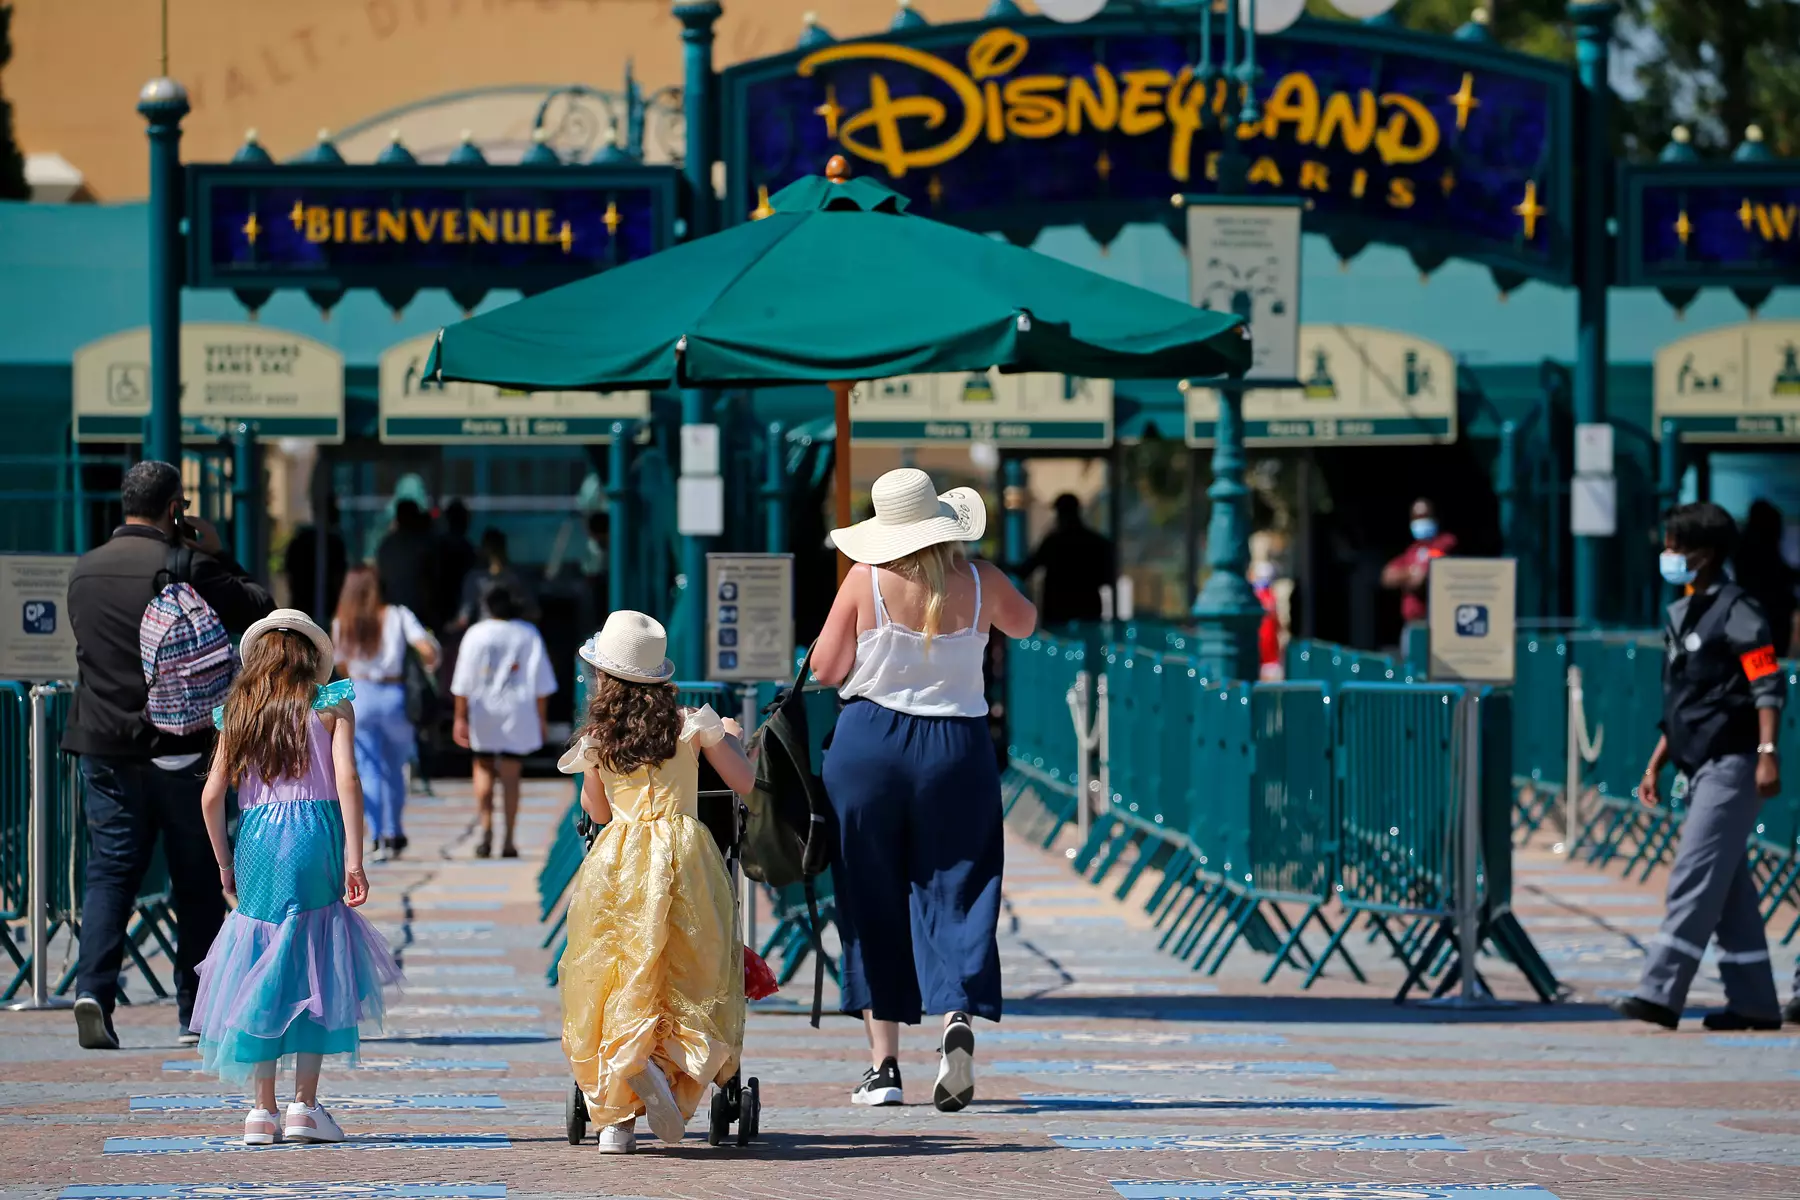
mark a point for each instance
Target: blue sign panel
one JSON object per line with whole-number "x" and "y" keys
{"x": 422, "y": 226}
{"x": 1445, "y": 147}
{"x": 1729, "y": 225}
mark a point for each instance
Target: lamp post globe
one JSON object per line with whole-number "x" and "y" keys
{"x": 1070, "y": 12}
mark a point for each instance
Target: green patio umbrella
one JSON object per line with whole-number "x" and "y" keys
{"x": 837, "y": 282}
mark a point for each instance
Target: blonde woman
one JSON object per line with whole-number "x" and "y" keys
{"x": 912, "y": 775}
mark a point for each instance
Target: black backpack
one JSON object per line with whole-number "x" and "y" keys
{"x": 790, "y": 831}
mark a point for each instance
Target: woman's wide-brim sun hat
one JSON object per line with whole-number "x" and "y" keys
{"x": 631, "y": 646}
{"x": 909, "y": 516}
{"x": 292, "y": 620}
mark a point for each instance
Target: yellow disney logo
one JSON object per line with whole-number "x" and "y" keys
{"x": 989, "y": 105}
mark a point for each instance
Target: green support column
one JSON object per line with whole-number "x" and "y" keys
{"x": 1506, "y": 486}
{"x": 1593, "y": 247}
{"x": 618, "y": 514}
{"x": 247, "y": 501}
{"x": 774, "y": 489}
{"x": 700, "y": 108}
{"x": 1668, "y": 491}
{"x": 1226, "y": 612}
{"x": 163, "y": 103}
{"x": 1013, "y": 531}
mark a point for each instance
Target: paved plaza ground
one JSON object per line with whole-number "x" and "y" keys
{"x": 1118, "y": 1072}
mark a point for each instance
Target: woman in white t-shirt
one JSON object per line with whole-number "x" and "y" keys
{"x": 502, "y": 686}
{"x": 371, "y": 639}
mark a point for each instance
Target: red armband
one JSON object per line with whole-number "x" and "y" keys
{"x": 1759, "y": 662}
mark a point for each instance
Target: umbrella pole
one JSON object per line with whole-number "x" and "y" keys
{"x": 840, "y": 391}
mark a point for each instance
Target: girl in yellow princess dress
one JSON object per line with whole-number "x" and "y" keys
{"x": 653, "y": 977}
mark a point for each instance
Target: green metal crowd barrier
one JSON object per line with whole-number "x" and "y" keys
{"x": 15, "y": 815}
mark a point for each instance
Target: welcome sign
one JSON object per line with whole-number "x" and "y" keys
{"x": 1734, "y": 224}
{"x": 1386, "y": 135}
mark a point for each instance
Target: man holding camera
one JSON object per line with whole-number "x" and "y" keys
{"x": 141, "y": 781}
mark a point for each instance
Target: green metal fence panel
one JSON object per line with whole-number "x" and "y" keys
{"x": 15, "y": 805}
{"x": 1223, "y": 757}
{"x": 1293, "y": 830}
{"x": 1621, "y": 680}
{"x": 1040, "y": 731}
{"x": 1329, "y": 663}
{"x": 1541, "y": 710}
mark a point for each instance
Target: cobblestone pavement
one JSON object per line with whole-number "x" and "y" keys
{"x": 1119, "y": 1072}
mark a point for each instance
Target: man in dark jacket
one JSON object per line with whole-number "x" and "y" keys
{"x": 1077, "y": 562}
{"x": 140, "y": 781}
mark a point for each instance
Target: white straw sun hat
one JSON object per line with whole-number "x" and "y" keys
{"x": 292, "y": 620}
{"x": 631, "y": 646}
{"x": 909, "y": 516}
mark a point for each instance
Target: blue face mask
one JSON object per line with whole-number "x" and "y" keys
{"x": 1675, "y": 568}
{"x": 1423, "y": 529}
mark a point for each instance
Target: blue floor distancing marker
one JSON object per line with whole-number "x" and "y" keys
{"x": 232, "y": 1144}
{"x": 287, "y": 1191}
{"x": 453, "y": 951}
{"x": 466, "y": 1010}
{"x": 419, "y": 1102}
{"x": 471, "y": 989}
{"x": 1135, "y": 1038}
{"x": 1280, "y": 1143}
{"x": 383, "y": 1064}
{"x": 1757, "y": 1042}
{"x": 1059, "y": 1067}
{"x": 1207, "y": 1189}
{"x": 462, "y": 970}
{"x": 1056, "y": 1101}
{"x": 452, "y": 1037}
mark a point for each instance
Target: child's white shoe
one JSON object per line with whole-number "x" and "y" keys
{"x": 311, "y": 1124}
{"x": 261, "y": 1128}
{"x": 665, "y": 1118}
{"x": 620, "y": 1138}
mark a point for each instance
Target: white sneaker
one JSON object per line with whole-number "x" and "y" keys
{"x": 660, "y": 1109}
{"x": 620, "y": 1138}
{"x": 261, "y": 1128}
{"x": 955, "y": 1085}
{"x": 311, "y": 1124}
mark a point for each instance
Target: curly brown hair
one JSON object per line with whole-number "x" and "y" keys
{"x": 268, "y": 712}
{"x": 635, "y": 724}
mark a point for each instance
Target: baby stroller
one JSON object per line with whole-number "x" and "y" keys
{"x": 736, "y": 1102}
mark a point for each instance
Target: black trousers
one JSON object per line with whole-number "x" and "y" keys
{"x": 129, "y": 803}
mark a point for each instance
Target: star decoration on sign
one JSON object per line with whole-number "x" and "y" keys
{"x": 935, "y": 189}
{"x": 1103, "y": 166}
{"x": 298, "y": 214}
{"x": 1529, "y": 210}
{"x": 1746, "y": 213}
{"x": 1464, "y": 101}
{"x": 831, "y": 110}
{"x": 1447, "y": 182}
{"x": 612, "y": 219}
{"x": 251, "y": 229}
{"x": 1683, "y": 227}
{"x": 566, "y": 236}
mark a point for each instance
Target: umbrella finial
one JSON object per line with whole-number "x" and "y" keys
{"x": 836, "y": 169}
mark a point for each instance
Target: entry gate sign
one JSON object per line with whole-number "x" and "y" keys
{"x": 1740, "y": 383}
{"x": 421, "y": 226}
{"x": 288, "y": 385}
{"x": 417, "y": 409}
{"x": 749, "y": 617}
{"x": 1722, "y": 225}
{"x": 1026, "y": 411}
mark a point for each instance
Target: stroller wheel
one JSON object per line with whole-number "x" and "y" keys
{"x": 575, "y": 1115}
{"x": 718, "y": 1126}
{"x": 750, "y": 1113}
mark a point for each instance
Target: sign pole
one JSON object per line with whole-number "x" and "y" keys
{"x": 163, "y": 103}
{"x": 840, "y": 392}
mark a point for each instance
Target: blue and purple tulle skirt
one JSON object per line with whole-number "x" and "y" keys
{"x": 295, "y": 970}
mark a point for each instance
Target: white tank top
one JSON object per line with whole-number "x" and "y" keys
{"x": 896, "y": 670}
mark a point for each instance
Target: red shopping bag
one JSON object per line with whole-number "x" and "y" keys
{"x": 759, "y": 981}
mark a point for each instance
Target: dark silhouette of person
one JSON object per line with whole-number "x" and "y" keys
{"x": 406, "y": 562}
{"x": 301, "y": 565}
{"x": 494, "y": 568}
{"x": 1409, "y": 572}
{"x": 1766, "y": 575}
{"x": 457, "y": 555}
{"x": 1076, "y": 561}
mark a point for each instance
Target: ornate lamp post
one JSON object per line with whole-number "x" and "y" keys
{"x": 163, "y": 103}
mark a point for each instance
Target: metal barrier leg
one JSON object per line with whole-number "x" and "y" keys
{"x": 1473, "y": 993}
{"x": 43, "y": 790}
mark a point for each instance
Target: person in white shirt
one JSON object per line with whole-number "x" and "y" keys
{"x": 502, "y": 687}
{"x": 372, "y": 638}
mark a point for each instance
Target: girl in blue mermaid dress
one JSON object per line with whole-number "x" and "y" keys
{"x": 295, "y": 974}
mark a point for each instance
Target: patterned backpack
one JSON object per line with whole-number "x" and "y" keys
{"x": 188, "y": 658}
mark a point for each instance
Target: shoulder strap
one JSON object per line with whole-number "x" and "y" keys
{"x": 975, "y": 622}
{"x": 178, "y": 566}
{"x": 818, "y": 949}
{"x": 881, "y": 616}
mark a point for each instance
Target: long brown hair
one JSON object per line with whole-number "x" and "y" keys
{"x": 635, "y": 724}
{"x": 931, "y": 567}
{"x": 359, "y": 614}
{"x": 269, "y": 708}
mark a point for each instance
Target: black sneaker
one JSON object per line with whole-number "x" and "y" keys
{"x": 1791, "y": 1014}
{"x": 1636, "y": 1009}
{"x": 956, "y": 1069}
{"x": 1726, "y": 1021}
{"x": 93, "y": 1025}
{"x": 186, "y": 1036}
{"x": 880, "y": 1087}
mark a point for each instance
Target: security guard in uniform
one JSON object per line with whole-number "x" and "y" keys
{"x": 1722, "y": 697}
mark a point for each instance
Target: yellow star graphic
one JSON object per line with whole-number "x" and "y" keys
{"x": 612, "y": 219}
{"x": 831, "y": 110}
{"x": 935, "y": 189}
{"x": 1746, "y": 213}
{"x": 1463, "y": 98}
{"x": 1447, "y": 182}
{"x": 1103, "y": 166}
{"x": 298, "y": 214}
{"x": 1529, "y": 210}
{"x": 1683, "y": 227}
{"x": 251, "y": 229}
{"x": 566, "y": 237}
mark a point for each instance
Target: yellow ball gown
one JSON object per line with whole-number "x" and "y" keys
{"x": 654, "y": 969}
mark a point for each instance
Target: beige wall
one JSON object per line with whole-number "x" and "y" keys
{"x": 289, "y": 68}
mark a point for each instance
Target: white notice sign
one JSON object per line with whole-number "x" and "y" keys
{"x": 749, "y": 617}
{"x": 1736, "y": 384}
{"x": 1025, "y": 411}
{"x": 1472, "y": 619}
{"x": 37, "y": 643}
{"x": 416, "y": 409}
{"x": 1245, "y": 259}
{"x": 288, "y": 385}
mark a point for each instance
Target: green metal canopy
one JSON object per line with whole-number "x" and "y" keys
{"x": 838, "y": 282}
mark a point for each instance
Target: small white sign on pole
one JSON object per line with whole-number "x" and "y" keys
{"x": 1594, "y": 449}
{"x": 749, "y": 617}
{"x": 700, "y": 506}
{"x": 1473, "y": 619}
{"x": 1594, "y": 506}
{"x": 699, "y": 449}
{"x": 37, "y": 643}
{"x": 1244, "y": 259}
